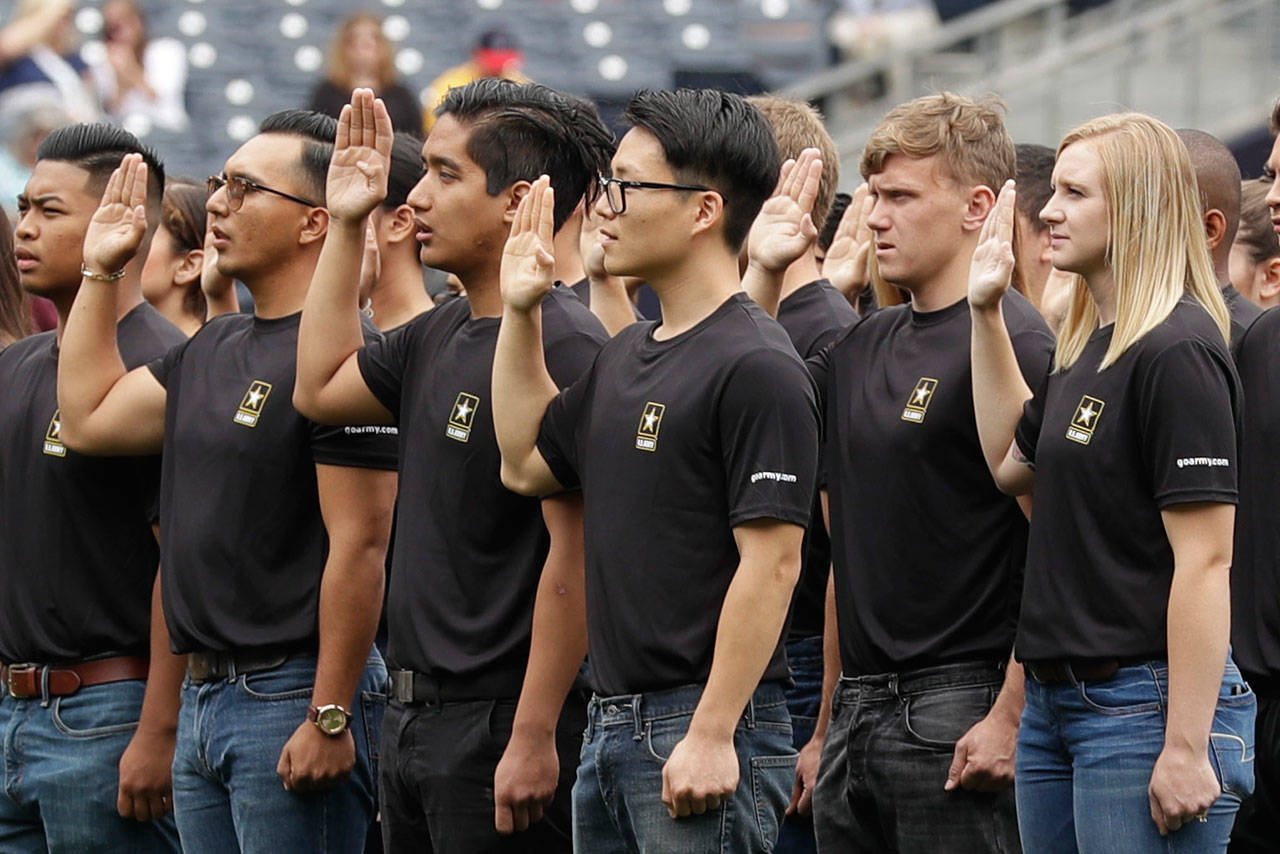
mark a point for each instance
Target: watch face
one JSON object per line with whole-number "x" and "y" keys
{"x": 332, "y": 720}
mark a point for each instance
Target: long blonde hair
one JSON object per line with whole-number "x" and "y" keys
{"x": 340, "y": 69}
{"x": 1156, "y": 244}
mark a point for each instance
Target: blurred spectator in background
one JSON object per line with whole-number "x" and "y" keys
{"x": 361, "y": 56}
{"x": 865, "y": 29}
{"x": 39, "y": 64}
{"x": 21, "y": 136}
{"x": 171, "y": 274}
{"x": 15, "y": 305}
{"x": 142, "y": 82}
{"x": 496, "y": 54}
{"x": 1254, "y": 263}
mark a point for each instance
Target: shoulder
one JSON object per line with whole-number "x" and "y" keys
{"x": 1188, "y": 324}
{"x": 1020, "y": 315}
{"x": 1261, "y": 336}
{"x": 566, "y": 315}
{"x": 25, "y": 348}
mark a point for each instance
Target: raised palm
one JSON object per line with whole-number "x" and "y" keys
{"x": 991, "y": 270}
{"x": 528, "y": 260}
{"x": 361, "y": 162}
{"x": 847, "y": 264}
{"x": 783, "y": 230}
{"x": 118, "y": 225}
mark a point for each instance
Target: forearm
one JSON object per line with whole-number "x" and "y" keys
{"x": 764, "y": 286}
{"x": 522, "y": 389}
{"x": 1013, "y": 696}
{"x": 610, "y": 303}
{"x": 751, "y": 621}
{"x": 350, "y": 606}
{"x": 89, "y": 363}
{"x": 999, "y": 390}
{"x": 164, "y": 675}
{"x": 1198, "y": 629}
{"x": 330, "y": 330}
{"x": 18, "y": 38}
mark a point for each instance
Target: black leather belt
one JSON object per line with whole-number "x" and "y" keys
{"x": 212, "y": 666}
{"x": 1055, "y": 671}
{"x": 410, "y": 687}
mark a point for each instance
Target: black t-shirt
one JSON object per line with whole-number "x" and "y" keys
{"x": 814, "y": 316}
{"x": 77, "y": 554}
{"x": 1255, "y": 575}
{"x": 1243, "y": 313}
{"x": 582, "y": 290}
{"x": 675, "y": 443}
{"x": 469, "y": 552}
{"x": 244, "y": 544}
{"x": 927, "y": 552}
{"x": 1111, "y": 450}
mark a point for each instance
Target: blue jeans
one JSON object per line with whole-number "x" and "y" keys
{"x": 61, "y": 773}
{"x": 804, "y": 699}
{"x": 226, "y": 792}
{"x": 1085, "y": 755}
{"x": 889, "y": 745}
{"x": 617, "y": 798}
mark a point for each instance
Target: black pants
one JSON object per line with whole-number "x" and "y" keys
{"x": 1258, "y": 822}
{"x": 436, "y": 780}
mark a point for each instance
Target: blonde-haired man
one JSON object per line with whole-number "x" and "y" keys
{"x": 927, "y": 553}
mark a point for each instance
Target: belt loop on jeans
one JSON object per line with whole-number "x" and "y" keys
{"x": 893, "y": 686}
{"x": 749, "y": 715}
{"x": 593, "y": 708}
{"x": 44, "y": 688}
{"x": 635, "y": 716}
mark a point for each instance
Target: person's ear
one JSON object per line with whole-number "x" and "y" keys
{"x": 515, "y": 193}
{"x": 981, "y": 202}
{"x": 1268, "y": 275}
{"x": 189, "y": 268}
{"x": 399, "y": 225}
{"x": 315, "y": 227}
{"x": 709, "y": 213}
{"x": 1215, "y": 227}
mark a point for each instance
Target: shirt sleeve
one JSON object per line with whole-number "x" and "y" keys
{"x": 768, "y": 424}
{"x": 382, "y": 363}
{"x": 1027, "y": 433}
{"x": 1188, "y": 400}
{"x": 819, "y": 367}
{"x": 557, "y": 437}
{"x": 163, "y": 366}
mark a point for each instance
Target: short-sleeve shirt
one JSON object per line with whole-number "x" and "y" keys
{"x": 1255, "y": 574}
{"x": 1111, "y": 450}
{"x": 928, "y": 553}
{"x": 675, "y": 443}
{"x": 77, "y": 552}
{"x": 244, "y": 544}
{"x": 469, "y": 552}
{"x": 814, "y": 315}
{"x": 1243, "y": 311}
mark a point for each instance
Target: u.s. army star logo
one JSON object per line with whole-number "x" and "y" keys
{"x": 462, "y": 416}
{"x": 650, "y": 424}
{"x": 918, "y": 402}
{"x": 255, "y": 399}
{"x": 1085, "y": 421}
{"x": 53, "y": 436}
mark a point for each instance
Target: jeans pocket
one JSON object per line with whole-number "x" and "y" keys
{"x": 662, "y": 736}
{"x": 1134, "y": 691}
{"x": 771, "y": 781}
{"x": 91, "y": 713}
{"x": 277, "y": 685}
{"x": 374, "y": 708}
{"x": 940, "y": 717}
{"x": 1231, "y": 746}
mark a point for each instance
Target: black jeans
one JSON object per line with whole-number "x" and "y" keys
{"x": 436, "y": 781}
{"x": 889, "y": 746}
{"x": 1258, "y": 822}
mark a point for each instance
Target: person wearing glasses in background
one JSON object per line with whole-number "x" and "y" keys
{"x": 275, "y": 528}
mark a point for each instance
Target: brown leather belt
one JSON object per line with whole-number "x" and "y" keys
{"x": 24, "y": 681}
{"x": 1058, "y": 670}
{"x": 215, "y": 666}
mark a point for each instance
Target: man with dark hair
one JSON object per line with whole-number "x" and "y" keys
{"x": 83, "y": 651}
{"x": 465, "y": 633}
{"x": 391, "y": 287}
{"x": 1218, "y": 175}
{"x": 1255, "y": 570}
{"x": 695, "y": 444}
{"x": 1031, "y": 241}
{"x": 275, "y": 528}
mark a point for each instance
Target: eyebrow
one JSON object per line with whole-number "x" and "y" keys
{"x": 444, "y": 162}
{"x": 39, "y": 200}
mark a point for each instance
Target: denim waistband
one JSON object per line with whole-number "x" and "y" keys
{"x": 924, "y": 679}
{"x": 635, "y": 710}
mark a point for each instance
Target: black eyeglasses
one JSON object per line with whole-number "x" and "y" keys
{"x": 237, "y": 186}
{"x": 615, "y": 190}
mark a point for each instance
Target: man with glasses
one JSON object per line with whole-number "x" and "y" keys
{"x": 466, "y": 638}
{"x": 694, "y": 442}
{"x": 274, "y": 527}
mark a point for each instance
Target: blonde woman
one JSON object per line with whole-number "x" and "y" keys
{"x": 361, "y": 56}
{"x": 1138, "y": 730}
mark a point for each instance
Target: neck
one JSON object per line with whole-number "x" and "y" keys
{"x": 399, "y": 295}
{"x": 802, "y": 271}
{"x": 948, "y": 287}
{"x": 173, "y": 307}
{"x": 1102, "y": 286}
{"x": 282, "y": 291}
{"x": 128, "y": 296}
{"x": 484, "y": 291}
{"x": 690, "y": 292}
{"x": 569, "y": 267}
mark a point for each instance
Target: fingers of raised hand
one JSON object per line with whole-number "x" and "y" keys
{"x": 809, "y": 167}
{"x": 1005, "y": 206}
{"x": 384, "y": 132}
{"x": 137, "y": 196}
{"x": 546, "y": 210}
{"x": 343, "y": 138}
{"x": 784, "y": 177}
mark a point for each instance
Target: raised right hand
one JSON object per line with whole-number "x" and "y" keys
{"x": 528, "y": 265}
{"x": 848, "y": 262}
{"x": 991, "y": 271}
{"x": 361, "y": 162}
{"x": 784, "y": 229}
{"x": 119, "y": 223}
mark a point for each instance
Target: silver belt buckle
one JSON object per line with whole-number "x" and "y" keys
{"x": 402, "y": 686}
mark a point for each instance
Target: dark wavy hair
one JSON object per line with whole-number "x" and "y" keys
{"x": 15, "y": 305}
